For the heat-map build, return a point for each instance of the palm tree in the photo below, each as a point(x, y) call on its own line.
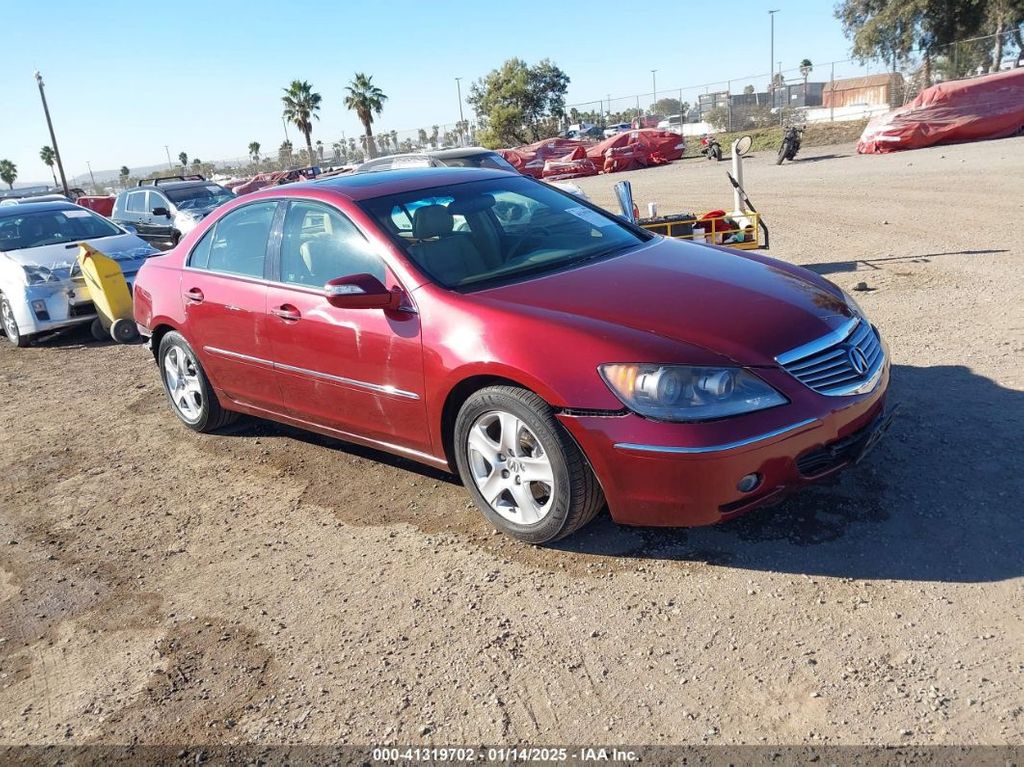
point(8, 172)
point(48, 157)
point(422, 136)
point(124, 173)
point(319, 151)
point(366, 100)
point(254, 151)
point(301, 105)
point(806, 67)
point(183, 159)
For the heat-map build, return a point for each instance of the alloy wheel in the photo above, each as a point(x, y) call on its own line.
point(510, 467)
point(8, 321)
point(182, 376)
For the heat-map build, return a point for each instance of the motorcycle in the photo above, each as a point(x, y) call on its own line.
point(710, 148)
point(790, 143)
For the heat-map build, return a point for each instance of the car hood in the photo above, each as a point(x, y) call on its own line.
point(747, 308)
point(127, 249)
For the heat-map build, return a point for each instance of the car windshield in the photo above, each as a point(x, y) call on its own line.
point(193, 197)
point(475, 235)
point(491, 160)
point(52, 227)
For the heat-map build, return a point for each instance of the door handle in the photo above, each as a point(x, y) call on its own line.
point(286, 312)
point(194, 294)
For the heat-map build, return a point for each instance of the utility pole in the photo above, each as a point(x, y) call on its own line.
point(654, 87)
point(168, 153)
point(284, 124)
point(89, 166)
point(462, 120)
point(53, 138)
point(771, 61)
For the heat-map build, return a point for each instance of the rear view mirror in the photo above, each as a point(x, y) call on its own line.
point(361, 291)
point(161, 212)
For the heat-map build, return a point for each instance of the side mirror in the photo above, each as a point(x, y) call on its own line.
point(624, 193)
point(161, 212)
point(361, 291)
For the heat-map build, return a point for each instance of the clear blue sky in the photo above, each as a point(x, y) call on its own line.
point(126, 77)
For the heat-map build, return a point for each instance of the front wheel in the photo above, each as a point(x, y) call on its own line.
point(783, 152)
point(523, 470)
point(187, 387)
point(10, 325)
point(716, 153)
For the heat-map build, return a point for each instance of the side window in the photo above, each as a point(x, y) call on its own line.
point(157, 200)
point(320, 244)
point(136, 202)
point(237, 244)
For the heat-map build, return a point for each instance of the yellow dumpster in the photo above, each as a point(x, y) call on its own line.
point(110, 296)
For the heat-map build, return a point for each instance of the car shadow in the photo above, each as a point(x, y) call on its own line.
point(834, 267)
point(938, 500)
point(819, 158)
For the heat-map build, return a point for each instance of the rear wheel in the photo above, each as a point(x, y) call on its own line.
point(187, 387)
point(521, 467)
point(783, 152)
point(716, 153)
point(98, 331)
point(10, 325)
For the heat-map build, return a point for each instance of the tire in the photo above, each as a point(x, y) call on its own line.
point(124, 331)
point(783, 151)
point(10, 325)
point(175, 238)
point(500, 420)
point(98, 331)
point(187, 387)
point(716, 153)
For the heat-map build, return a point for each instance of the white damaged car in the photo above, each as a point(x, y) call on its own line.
point(41, 286)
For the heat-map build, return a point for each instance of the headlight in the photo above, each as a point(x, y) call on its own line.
point(685, 393)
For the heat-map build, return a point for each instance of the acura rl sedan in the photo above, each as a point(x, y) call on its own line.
point(557, 357)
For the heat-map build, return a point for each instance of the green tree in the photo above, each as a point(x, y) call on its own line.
point(748, 90)
point(668, 107)
point(49, 157)
point(366, 100)
point(8, 173)
point(254, 151)
point(806, 67)
point(394, 140)
point(183, 159)
point(124, 173)
point(301, 105)
point(520, 103)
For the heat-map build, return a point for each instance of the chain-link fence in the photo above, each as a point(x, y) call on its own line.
point(811, 92)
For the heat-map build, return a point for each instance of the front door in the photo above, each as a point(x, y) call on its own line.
point(359, 371)
point(224, 291)
point(161, 225)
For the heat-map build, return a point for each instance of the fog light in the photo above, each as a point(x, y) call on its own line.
point(39, 308)
point(748, 483)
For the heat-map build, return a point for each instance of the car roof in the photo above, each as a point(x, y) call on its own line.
point(10, 211)
point(462, 151)
point(365, 186)
point(171, 185)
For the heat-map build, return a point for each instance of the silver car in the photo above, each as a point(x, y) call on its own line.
point(41, 287)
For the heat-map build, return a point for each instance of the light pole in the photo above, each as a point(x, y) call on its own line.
point(771, 62)
point(53, 138)
point(462, 120)
point(89, 166)
point(654, 87)
point(284, 124)
point(168, 153)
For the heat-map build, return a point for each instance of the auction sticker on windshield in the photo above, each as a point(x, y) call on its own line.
point(592, 218)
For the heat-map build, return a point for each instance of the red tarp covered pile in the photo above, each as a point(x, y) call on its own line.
point(529, 160)
point(965, 110)
point(637, 149)
point(560, 158)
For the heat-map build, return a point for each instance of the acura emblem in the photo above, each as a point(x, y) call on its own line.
point(858, 360)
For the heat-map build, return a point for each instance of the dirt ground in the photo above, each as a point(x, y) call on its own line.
point(269, 586)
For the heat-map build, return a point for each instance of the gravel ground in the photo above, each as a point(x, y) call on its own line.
point(266, 585)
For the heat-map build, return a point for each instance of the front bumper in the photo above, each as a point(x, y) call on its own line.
point(50, 306)
point(682, 475)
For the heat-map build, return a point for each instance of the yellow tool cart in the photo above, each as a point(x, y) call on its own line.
point(110, 295)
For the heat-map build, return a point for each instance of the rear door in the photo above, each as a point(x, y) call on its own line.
point(356, 370)
point(224, 290)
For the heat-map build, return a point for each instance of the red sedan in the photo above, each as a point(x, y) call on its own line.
point(557, 357)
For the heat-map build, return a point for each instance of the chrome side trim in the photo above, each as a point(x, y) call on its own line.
point(635, 448)
point(819, 344)
point(376, 388)
point(235, 355)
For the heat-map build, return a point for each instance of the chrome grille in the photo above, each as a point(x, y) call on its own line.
point(847, 361)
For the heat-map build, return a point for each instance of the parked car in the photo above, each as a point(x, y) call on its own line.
point(462, 157)
point(558, 361)
point(612, 130)
point(672, 123)
point(164, 209)
point(41, 288)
